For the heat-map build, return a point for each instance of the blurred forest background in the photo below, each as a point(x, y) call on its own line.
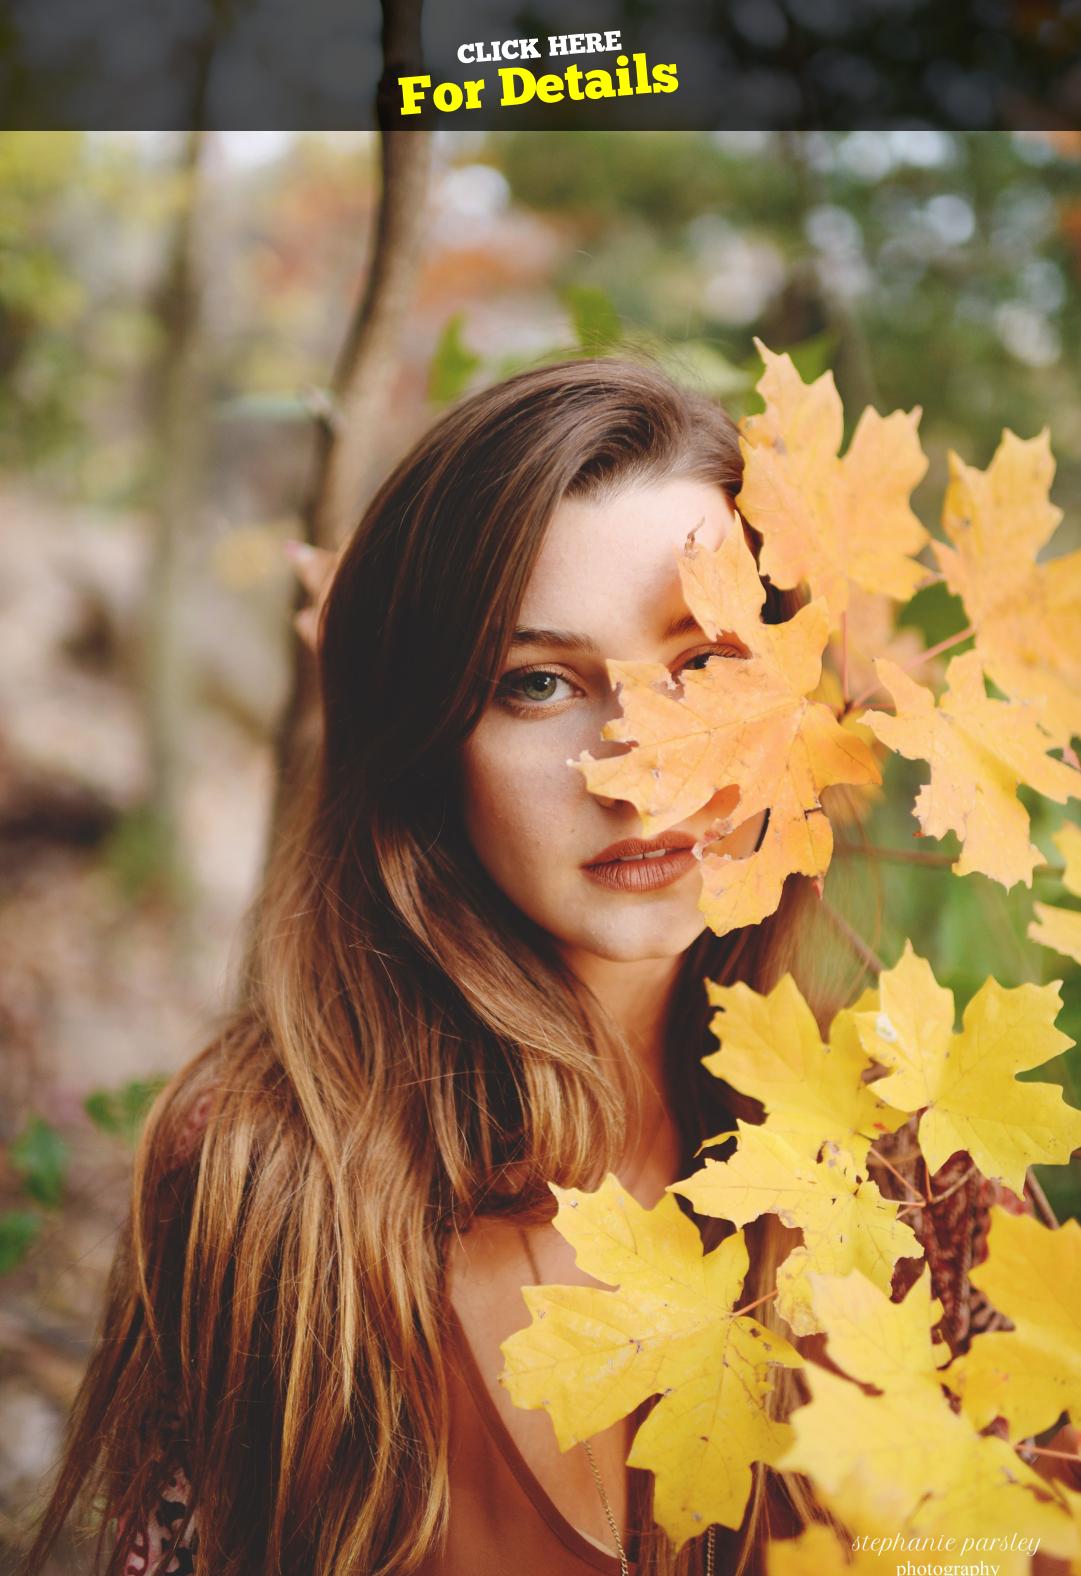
point(171, 309)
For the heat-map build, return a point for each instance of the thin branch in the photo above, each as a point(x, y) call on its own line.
point(894, 855)
point(852, 937)
point(1039, 1200)
point(919, 1199)
point(938, 1198)
point(906, 667)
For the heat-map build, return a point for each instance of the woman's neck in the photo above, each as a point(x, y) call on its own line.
point(636, 996)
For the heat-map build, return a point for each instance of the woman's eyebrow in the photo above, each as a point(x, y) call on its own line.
point(568, 640)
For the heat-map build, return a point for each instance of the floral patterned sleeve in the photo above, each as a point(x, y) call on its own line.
point(953, 1232)
point(152, 1541)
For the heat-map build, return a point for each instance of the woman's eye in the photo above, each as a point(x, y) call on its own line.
point(701, 658)
point(536, 686)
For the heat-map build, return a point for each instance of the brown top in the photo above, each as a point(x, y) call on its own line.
point(499, 1513)
point(502, 1519)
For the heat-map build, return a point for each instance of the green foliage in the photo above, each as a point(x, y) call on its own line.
point(939, 262)
point(18, 1230)
point(937, 614)
point(120, 1112)
point(41, 295)
point(138, 853)
point(810, 357)
point(452, 365)
point(40, 1157)
point(702, 365)
point(597, 325)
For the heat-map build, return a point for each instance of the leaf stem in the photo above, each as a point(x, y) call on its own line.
point(1043, 1450)
point(923, 656)
point(938, 1198)
point(747, 1306)
point(919, 1199)
point(854, 939)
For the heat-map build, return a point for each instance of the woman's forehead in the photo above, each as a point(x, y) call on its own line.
point(611, 564)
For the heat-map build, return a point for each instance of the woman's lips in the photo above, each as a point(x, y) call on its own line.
point(639, 864)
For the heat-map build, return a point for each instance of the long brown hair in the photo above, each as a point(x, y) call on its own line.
point(408, 1051)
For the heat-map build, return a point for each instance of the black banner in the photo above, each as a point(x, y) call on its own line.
point(546, 64)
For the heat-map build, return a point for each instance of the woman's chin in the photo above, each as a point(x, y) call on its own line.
point(635, 941)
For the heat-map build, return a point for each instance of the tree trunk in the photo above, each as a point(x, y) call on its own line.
point(179, 425)
point(348, 437)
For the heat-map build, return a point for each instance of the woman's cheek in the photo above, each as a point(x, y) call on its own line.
point(515, 793)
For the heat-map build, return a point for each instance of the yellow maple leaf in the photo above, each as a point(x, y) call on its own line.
point(744, 724)
point(845, 1220)
point(1031, 1374)
point(979, 750)
point(1027, 616)
point(965, 1083)
point(590, 1356)
point(1060, 928)
point(818, 1552)
point(1057, 928)
point(903, 1459)
point(1068, 842)
point(825, 520)
point(772, 1051)
point(870, 631)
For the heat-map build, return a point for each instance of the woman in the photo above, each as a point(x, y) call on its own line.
point(467, 979)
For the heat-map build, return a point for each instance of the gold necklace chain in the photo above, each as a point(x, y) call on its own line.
point(624, 1568)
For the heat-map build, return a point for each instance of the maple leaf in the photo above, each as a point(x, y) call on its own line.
point(743, 724)
point(903, 1458)
point(965, 1083)
point(818, 1552)
point(1031, 1374)
point(1027, 616)
point(1060, 928)
point(824, 520)
point(979, 750)
point(871, 630)
point(590, 1356)
point(772, 1051)
point(845, 1220)
point(1057, 928)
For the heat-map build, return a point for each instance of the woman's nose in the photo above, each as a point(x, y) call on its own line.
point(602, 749)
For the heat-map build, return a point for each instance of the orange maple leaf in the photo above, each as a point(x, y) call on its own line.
point(828, 521)
point(745, 724)
point(979, 750)
point(1027, 616)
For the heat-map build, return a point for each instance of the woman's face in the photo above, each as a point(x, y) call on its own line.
point(606, 584)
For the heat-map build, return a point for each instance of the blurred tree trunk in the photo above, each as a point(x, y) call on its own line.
point(348, 435)
point(180, 442)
